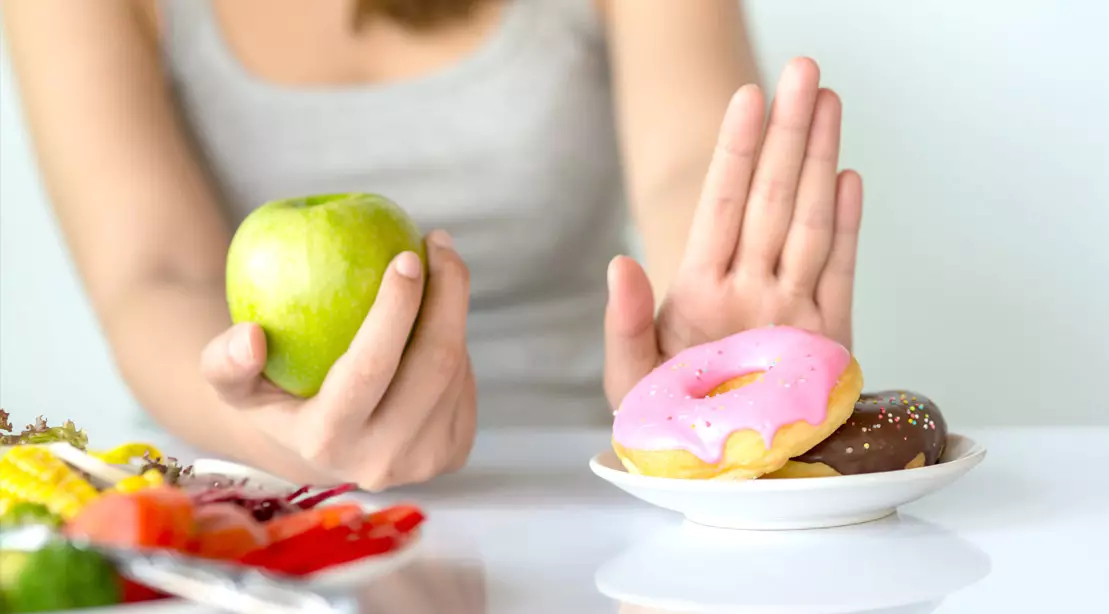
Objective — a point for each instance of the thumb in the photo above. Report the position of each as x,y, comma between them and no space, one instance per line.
232,361
631,347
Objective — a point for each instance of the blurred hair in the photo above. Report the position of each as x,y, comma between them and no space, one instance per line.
415,14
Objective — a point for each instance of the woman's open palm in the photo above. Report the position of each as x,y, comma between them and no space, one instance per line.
773,238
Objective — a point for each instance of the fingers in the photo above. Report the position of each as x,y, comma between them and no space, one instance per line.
810,233
714,232
836,287
233,362
774,187
432,447
358,380
631,347
465,424
438,346
414,451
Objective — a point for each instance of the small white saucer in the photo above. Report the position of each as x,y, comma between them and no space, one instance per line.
803,503
897,564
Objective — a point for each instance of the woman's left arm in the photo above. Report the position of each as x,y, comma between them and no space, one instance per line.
675,66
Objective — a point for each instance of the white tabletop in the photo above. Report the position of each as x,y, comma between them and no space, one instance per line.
528,528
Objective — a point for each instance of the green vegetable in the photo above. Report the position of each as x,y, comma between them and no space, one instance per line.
59,576
40,432
25,513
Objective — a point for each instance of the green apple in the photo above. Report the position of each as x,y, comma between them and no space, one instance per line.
307,270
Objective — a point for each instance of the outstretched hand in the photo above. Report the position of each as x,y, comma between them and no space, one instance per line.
773,238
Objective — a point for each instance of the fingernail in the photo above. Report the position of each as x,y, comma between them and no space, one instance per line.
612,273
441,238
409,265
241,351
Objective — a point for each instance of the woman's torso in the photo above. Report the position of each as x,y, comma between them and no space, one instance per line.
511,148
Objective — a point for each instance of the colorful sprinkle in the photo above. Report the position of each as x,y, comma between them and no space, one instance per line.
850,450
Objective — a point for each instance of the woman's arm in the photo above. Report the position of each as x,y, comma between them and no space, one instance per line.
676,66
140,219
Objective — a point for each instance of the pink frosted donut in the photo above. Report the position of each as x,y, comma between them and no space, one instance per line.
737,408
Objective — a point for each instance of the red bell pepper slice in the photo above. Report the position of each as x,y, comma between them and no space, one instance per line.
133,592
320,548
404,518
327,545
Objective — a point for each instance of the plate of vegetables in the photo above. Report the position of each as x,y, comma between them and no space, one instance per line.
134,498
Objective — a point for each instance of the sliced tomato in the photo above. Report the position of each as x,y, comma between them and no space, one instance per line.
226,531
284,527
160,517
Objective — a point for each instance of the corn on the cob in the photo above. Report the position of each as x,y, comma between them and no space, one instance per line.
33,474
149,479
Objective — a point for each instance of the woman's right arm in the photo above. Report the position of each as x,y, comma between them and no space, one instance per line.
150,243
141,221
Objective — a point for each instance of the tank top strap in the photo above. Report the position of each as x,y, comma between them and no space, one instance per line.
184,21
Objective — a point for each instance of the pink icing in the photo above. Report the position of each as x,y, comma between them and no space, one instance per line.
666,410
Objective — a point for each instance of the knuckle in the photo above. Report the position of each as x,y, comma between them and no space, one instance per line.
729,147
725,202
463,270
463,456
454,268
321,449
819,216
797,286
373,482
820,156
443,358
215,365
774,190
376,477
435,462
398,297
365,371
797,125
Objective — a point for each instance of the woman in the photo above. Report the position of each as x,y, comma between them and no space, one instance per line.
517,129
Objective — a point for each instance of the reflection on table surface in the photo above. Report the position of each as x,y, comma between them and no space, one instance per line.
427,585
899,564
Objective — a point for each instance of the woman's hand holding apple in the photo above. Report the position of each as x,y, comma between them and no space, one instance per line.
386,414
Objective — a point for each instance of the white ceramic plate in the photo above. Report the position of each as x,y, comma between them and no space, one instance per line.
803,503
898,564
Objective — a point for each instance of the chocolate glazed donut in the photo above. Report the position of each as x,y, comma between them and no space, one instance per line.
888,431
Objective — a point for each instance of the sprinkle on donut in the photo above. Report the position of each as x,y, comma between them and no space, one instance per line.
889,430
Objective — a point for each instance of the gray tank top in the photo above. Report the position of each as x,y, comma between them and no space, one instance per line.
512,150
